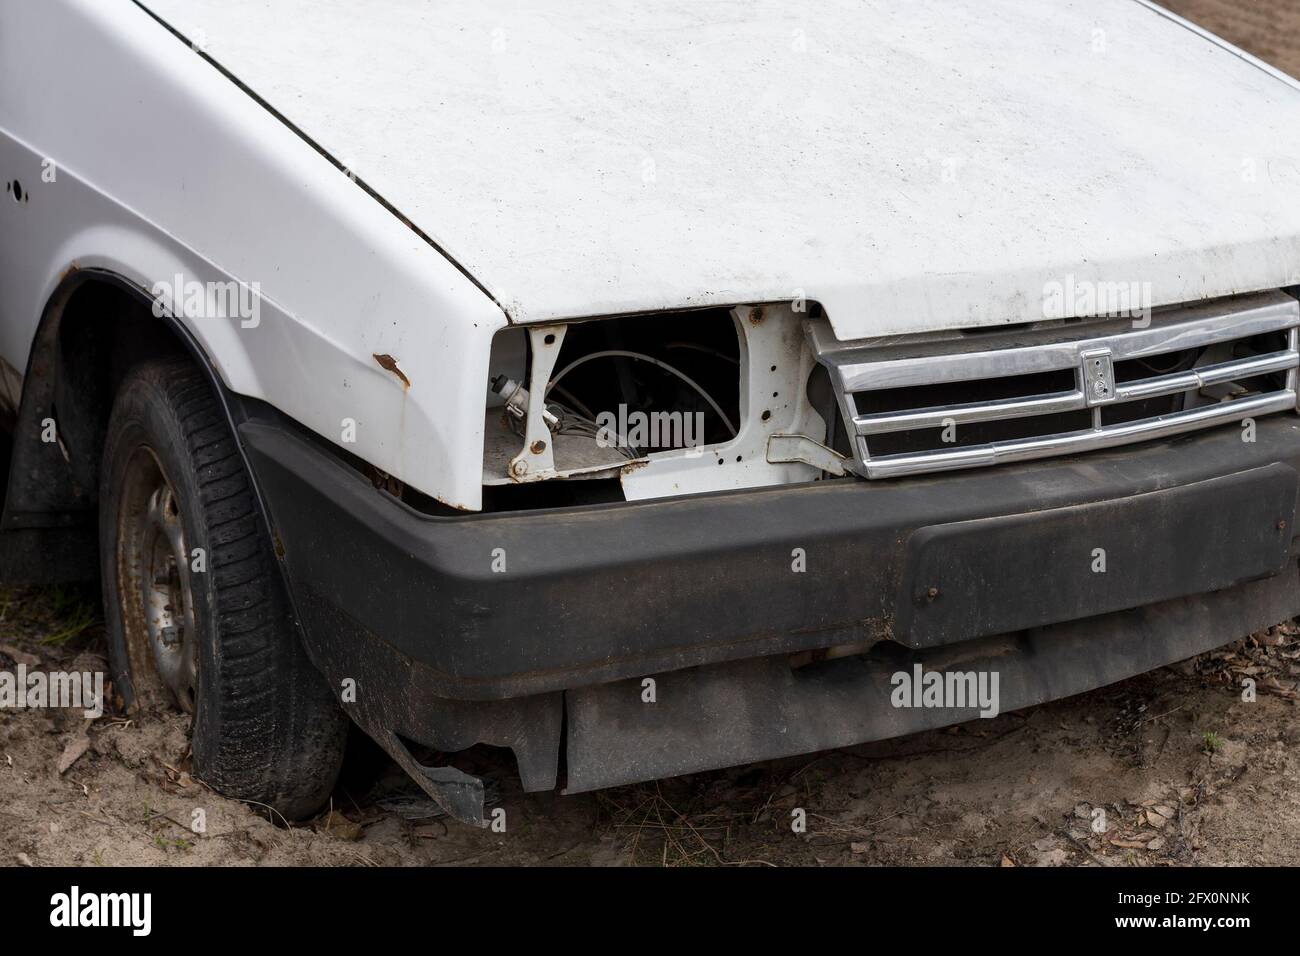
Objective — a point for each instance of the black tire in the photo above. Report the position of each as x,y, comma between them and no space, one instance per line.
266,728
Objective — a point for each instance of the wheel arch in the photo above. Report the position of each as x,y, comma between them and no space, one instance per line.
93,328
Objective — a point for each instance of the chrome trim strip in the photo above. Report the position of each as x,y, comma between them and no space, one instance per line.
1025,449
1207,375
864,375
942,415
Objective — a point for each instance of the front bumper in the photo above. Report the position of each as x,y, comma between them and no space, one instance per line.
483,628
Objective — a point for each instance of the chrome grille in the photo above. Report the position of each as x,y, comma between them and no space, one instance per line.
967,400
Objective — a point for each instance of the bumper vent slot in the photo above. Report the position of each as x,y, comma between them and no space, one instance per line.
966,401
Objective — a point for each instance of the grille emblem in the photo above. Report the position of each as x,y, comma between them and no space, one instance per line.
1098,376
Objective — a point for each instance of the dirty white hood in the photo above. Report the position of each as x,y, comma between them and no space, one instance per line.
910,164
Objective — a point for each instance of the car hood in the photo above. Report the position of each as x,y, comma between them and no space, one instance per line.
911,165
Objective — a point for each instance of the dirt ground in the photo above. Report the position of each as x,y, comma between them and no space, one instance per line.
1172,767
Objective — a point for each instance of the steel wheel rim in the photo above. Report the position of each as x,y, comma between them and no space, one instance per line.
154,580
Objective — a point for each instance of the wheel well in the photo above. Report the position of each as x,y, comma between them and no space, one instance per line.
104,331
94,329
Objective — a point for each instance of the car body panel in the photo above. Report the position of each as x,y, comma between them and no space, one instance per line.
163,167
911,166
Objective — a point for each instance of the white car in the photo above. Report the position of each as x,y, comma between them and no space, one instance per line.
643,386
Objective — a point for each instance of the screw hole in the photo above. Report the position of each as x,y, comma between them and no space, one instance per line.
18,191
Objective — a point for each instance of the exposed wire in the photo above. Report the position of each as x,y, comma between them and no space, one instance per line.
572,422
569,397
642,357
704,349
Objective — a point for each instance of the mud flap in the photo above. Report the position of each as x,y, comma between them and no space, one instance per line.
454,790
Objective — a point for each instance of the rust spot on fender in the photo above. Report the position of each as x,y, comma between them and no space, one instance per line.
389,363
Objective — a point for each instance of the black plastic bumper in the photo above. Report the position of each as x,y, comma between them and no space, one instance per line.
450,652
607,592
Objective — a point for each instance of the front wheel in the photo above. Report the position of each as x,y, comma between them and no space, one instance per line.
196,613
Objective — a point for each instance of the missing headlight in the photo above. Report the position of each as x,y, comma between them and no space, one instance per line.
616,391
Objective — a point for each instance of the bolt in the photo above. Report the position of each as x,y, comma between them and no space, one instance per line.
170,636
537,447
1281,526
519,469
932,593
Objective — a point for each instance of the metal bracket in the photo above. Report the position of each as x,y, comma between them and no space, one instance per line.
536,460
787,448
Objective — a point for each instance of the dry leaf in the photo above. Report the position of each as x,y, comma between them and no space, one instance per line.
337,825
1274,686
19,657
77,746
1127,844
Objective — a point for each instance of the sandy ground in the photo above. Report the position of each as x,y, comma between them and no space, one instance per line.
1170,768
